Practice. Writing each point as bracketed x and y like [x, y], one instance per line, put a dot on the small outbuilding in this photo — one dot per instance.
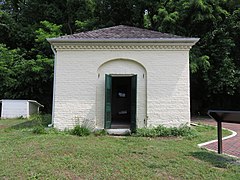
[19, 108]
[121, 78]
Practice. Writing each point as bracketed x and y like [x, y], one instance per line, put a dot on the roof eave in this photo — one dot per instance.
[127, 40]
[33, 101]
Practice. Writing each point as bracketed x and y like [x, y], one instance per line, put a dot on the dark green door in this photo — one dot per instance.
[133, 102]
[108, 101]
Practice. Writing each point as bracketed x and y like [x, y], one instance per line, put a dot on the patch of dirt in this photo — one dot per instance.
[118, 136]
[2, 126]
[164, 175]
[68, 175]
[165, 138]
[152, 138]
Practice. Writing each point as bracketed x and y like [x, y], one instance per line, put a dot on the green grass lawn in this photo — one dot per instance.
[24, 155]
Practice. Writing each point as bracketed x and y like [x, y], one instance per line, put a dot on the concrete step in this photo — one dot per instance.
[118, 131]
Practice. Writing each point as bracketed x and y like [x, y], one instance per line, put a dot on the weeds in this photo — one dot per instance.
[38, 125]
[33, 121]
[101, 132]
[80, 131]
[162, 131]
[43, 119]
[39, 130]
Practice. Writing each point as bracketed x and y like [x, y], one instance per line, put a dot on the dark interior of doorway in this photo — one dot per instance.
[121, 102]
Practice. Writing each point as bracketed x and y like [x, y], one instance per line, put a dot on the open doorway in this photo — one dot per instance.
[120, 102]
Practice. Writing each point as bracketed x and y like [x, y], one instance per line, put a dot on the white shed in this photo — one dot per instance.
[121, 77]
[19, 108]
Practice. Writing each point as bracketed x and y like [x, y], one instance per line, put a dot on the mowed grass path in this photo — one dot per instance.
[24, 155]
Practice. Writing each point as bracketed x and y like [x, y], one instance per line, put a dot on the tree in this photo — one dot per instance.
[29, 78]
[8, 59]
[214, 60]
[48, 30]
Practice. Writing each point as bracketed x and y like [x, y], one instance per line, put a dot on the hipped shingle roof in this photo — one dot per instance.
[120, 32]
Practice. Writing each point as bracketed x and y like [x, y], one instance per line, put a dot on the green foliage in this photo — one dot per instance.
[199, 63]
[80, 131]
[112, 12]
[214, 60]
[41, 119]
[25, 79]
[39, 130]
[162, 131]
[84, 25]
[166, 19]
[7, 27]
[101, 132]
[48, 30]
[146, 20]
[38, 120]
[62, 156]
[8, 59]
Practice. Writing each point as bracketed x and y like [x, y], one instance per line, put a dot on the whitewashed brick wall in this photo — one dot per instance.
[162, 96]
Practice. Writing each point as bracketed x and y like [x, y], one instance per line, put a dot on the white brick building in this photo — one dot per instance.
[121, 77]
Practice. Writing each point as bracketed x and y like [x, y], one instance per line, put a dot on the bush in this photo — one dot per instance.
[186, 131]
[162, 131]
[39, 130]
[101, 132]
[80, 131]
[55, 131]
[41, 119]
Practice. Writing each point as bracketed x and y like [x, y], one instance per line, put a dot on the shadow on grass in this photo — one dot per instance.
[219, 161]
[36, 120]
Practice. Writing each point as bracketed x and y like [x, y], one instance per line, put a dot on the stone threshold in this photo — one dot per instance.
[118, 132]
